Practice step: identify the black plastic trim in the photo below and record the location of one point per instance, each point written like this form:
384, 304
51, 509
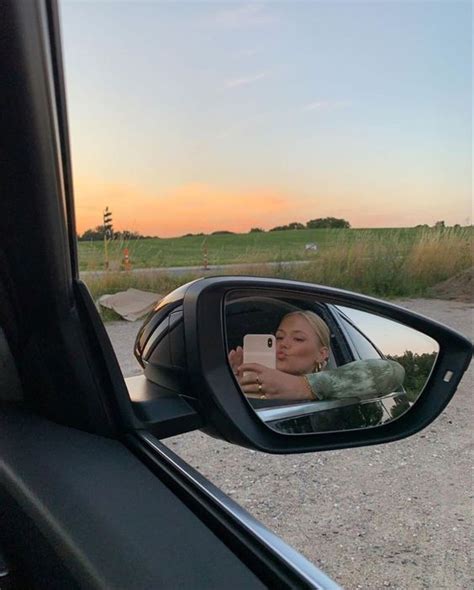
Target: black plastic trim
63, 129
270, 558
113, 390
162, 412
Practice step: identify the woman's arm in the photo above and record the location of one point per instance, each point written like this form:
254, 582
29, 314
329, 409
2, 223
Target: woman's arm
362, 379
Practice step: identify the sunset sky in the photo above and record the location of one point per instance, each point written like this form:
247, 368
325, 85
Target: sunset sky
202, 116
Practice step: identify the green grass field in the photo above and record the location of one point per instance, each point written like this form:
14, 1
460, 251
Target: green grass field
384, 263
239, 248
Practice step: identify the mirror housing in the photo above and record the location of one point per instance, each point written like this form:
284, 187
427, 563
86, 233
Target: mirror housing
182, 348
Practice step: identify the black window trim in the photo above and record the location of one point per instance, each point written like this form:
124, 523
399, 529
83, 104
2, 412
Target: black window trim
348, 338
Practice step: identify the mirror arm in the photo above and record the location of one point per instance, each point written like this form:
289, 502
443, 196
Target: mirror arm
162, 411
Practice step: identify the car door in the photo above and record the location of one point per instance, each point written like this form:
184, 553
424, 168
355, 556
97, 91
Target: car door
87, 500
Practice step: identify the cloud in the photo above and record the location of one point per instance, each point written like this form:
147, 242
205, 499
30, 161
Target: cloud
325, 105
243, 16
236, 82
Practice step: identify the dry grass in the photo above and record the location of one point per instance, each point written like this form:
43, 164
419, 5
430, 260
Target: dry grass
380, 264
391, 267
435, 258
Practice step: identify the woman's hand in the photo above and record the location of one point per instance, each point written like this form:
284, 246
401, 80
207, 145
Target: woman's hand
260, 381
236, 358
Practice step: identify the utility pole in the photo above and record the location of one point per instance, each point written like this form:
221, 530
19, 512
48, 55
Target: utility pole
108, 234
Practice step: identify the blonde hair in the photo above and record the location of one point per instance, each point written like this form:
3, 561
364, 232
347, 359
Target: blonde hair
318, 324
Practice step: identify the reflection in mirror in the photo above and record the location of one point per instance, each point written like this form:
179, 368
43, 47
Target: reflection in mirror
312, 366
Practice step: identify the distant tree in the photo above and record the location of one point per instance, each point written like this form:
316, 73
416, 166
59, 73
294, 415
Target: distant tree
222, 232
255, 230
422, 226
127, 234
328, 222
292, 225
97, 234
417, 370
93, 235
439, 225
295, 225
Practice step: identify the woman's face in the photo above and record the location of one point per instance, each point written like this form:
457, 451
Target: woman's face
298, 348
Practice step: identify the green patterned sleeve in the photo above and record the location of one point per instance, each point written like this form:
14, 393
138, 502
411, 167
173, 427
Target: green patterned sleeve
362, 379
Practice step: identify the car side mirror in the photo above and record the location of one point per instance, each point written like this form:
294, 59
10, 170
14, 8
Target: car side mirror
284, 366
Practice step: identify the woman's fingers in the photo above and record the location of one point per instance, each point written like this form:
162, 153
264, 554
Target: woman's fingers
250, 388
240, 353
250, 378
235, 358
260, 380
256, 379
252, 367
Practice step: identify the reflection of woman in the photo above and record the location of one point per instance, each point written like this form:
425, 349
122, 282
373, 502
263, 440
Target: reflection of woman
302, 349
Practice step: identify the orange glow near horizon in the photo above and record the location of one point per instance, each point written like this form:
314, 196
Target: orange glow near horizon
200, 207
190, 208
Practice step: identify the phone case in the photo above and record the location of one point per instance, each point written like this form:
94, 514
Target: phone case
261, 349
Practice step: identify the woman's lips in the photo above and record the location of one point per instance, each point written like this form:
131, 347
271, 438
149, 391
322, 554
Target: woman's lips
281, 356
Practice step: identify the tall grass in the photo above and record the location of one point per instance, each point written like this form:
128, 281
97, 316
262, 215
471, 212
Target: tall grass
389, 266
436, 257
384, 264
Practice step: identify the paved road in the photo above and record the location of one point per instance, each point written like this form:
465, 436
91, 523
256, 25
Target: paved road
395, 516
213, 268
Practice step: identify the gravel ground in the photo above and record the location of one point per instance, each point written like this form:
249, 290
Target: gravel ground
393, 516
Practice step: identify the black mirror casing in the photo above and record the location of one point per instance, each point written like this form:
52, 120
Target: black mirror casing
207, 384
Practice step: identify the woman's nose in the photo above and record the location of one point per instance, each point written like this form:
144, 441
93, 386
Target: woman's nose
283, 343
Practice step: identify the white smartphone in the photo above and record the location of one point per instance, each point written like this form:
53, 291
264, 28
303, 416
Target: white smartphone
261, 349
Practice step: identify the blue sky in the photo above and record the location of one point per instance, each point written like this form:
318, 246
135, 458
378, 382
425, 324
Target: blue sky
266, 113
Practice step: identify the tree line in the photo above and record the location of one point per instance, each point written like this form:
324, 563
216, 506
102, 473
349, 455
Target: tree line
97, 233
319, 223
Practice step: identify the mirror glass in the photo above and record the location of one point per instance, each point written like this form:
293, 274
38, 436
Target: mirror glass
308, 365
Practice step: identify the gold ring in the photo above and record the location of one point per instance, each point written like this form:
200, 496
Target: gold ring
257, 380
259, 388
